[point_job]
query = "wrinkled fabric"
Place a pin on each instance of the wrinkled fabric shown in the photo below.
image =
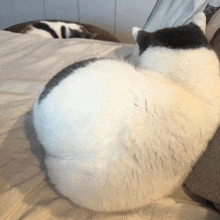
(214, 3)
(173, 13)
(213, 25)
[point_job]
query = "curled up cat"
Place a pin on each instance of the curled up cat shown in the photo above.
(118, 137)
(57, 29)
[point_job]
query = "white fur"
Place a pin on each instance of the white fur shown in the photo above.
(200, 20)
(119, 137)
(56, 26)
(39, 32)
(135, 31)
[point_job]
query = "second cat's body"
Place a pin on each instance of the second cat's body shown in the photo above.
(119, 137)
(57, 29)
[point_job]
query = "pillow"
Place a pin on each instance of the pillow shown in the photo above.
(27, 63)
(204, 180)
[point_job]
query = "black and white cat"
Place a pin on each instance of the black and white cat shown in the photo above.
(119, 137)
(57, 29)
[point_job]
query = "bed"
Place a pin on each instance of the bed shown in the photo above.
(27, 63)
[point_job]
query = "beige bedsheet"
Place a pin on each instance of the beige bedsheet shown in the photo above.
(26, 64)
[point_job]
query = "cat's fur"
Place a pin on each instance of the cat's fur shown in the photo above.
(119, 137)
(57, 29)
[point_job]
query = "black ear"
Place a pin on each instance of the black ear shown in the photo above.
(94, 35)
(75, 34)
(142, 38)
(89, 35)
(86, 34)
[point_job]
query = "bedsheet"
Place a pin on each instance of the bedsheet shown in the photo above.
(26, 64)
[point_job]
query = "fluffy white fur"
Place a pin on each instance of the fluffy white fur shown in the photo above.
(119, 137)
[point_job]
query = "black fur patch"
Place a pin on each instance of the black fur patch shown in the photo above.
(45, 27)
(78, 34)
(63, 32)
(75, 34)
(184, 37)
(62, 75)
(88, 35)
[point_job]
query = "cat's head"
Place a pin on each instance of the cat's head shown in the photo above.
(161, 49)
(81, 33)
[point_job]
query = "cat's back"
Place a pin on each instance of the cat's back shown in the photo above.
(117, 137)
(103, 96)
(54, 29)
(95, 85)
(109, 81)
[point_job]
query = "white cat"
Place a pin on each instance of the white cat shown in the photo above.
(119, 137)
(57, 29)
